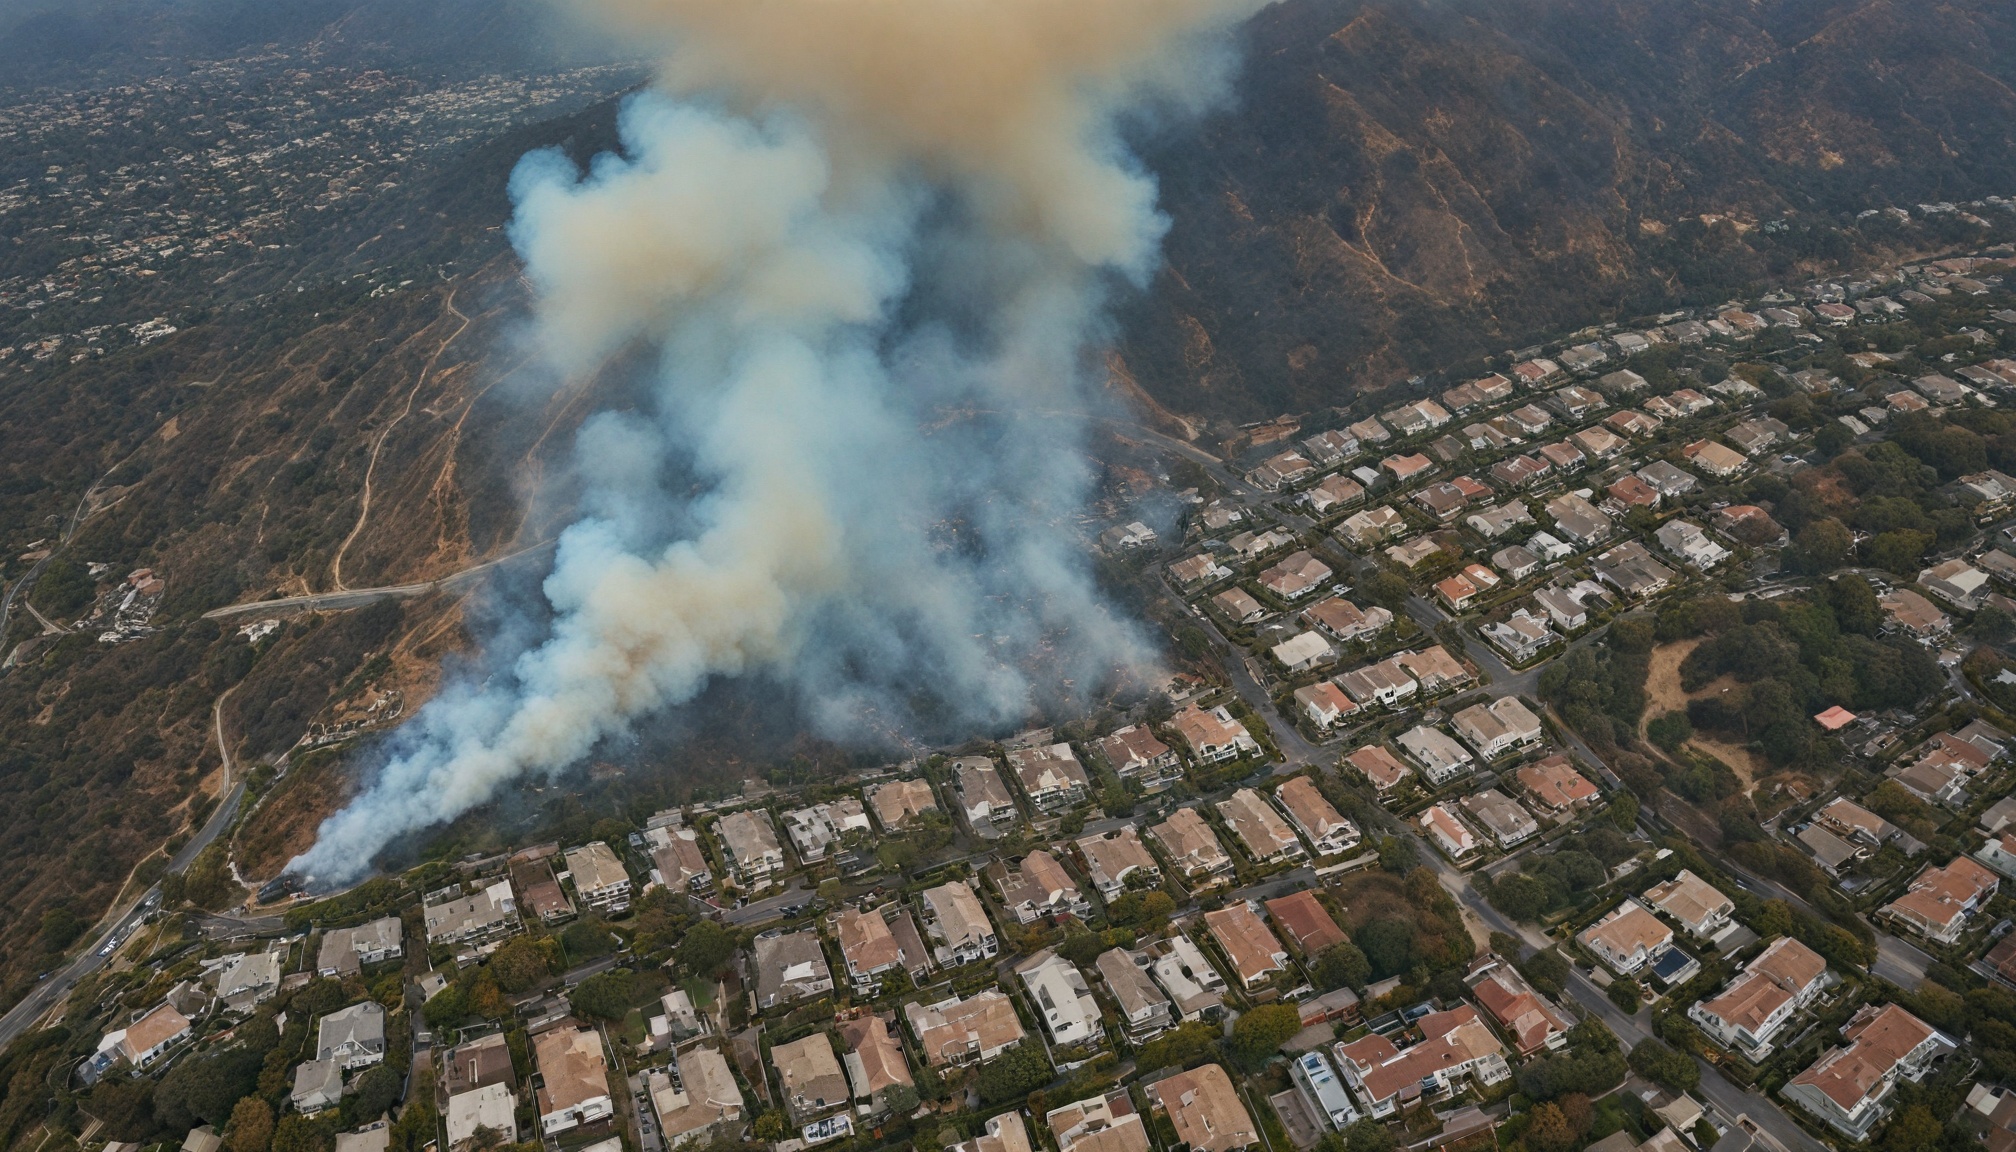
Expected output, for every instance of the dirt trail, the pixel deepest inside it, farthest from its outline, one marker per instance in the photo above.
(1662, 688)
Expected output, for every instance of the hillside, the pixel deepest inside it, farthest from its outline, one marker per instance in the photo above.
(1398, 186)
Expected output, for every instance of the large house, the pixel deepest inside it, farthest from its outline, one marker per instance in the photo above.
(1749, 1013)
(1193, 985)
(1381, 768)
(811, 1077)
(1144, 1011)
(1204, 1110)
(489, 914)
(147, 1039)
(352, 1038)
(954, 917)
(755, 858)
(345, 951)
(897, 801)
(1628, 938)
(1441, 758)
(1134, 753)
(1454, 1044)
(1112, 857)
(1036, 888)
(1061, 998)
(1255, 954)
(1555, 787)
(694, 1095)
(1523, 1014)
(1501, 726)
(869, 948)
(816, 830)
(1697, 905)
(874, 1061)
(1106, 1123)
(956, 1031)
(1213, 735)
(1266, 837)
(1848, 1086)
(680, 861)
(1050, 776)
(790, 966)
(600, 878)
(1193, 849)
(575, 1077)
(1317, 818)
(1940, 901)
(982, 796)
(1500, 815)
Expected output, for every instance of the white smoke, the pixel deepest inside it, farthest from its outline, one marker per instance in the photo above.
(868, 240)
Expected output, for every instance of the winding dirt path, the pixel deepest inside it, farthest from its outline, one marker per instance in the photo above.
(1663, 691)
(364, 506)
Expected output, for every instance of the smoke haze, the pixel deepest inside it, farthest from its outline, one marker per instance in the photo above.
(868, 241)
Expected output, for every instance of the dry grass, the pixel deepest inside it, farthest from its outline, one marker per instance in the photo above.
(1662, 688)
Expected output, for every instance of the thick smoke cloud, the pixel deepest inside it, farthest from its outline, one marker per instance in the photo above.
(868, 241)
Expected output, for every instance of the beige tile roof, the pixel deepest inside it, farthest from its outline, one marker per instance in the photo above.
(1261, 829)
(1047, 769)
(956, 1030)
(1302, 918)
(1941, 896)
(1132, 749)
(1100, 1124)
(958, 913)
(1381, 767)
(710, 1094)
(1254, 952)
(152, 1030)
(874, 1054)
(1311, 809)
(1556, 784)
(1205, 1110)
(572, 1067)
(596, 868)
(1878, 1038)
(1779, 975)
(1626, 930)
(1110, 857)
(899, 800)
(1191, 844)
(1690, 899)
(866, 942)
(810, 1074)
(1519, 1010)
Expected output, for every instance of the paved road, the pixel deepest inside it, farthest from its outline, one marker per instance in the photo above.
(359, 597)
(52, 989)
(770, 907)
(28, 579)
(1899, 961)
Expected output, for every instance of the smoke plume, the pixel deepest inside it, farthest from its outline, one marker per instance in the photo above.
(867, 242)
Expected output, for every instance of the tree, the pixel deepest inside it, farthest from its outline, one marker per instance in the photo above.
(1369, 1136)
(900, 1099)
(1624, 994)
(520, 965)
(1624, 811)
(1177, 1048)
(1915, 1128)
(204, 1091)
(1992, 625)
(1825, 545)
(1013, 1074)
(126, 1107)
(1657, 1062)
(1341, 966)
(770, 1126)
(1260, 1032)
(1388, 946)
(1387, 589)
(1522, 897)
(1670, 730)
(606, 995)
(707, 948)
(1900, 550)
(587, 939)
(298, 1133)
(377, 1090)
(60, 926)
(1546, 970)
(251, 1127)
(1549, 1130)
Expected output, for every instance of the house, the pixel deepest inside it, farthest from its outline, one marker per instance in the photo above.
(1213, 735)
(1940, 901)
(1456, 592)
(601, 879)
(1112, 857)
(868, 948)
(1632, 423)
(1191, 846)
(1630, 492)
(1331, 447)
(694, 1095)
(1106, 1123)
(1855, 822)
(811, 1078)
(1623, 382)
(1324, 703)
(1999, 853)
(1205, 1111)
(1411, 554)
(1000, 1134)
(1598, 443)
(1756, 435)
(1498, 727)
(954, 917)
(874, 1061)
(1695, 904)
(1714, 459)
(1555, 787)
(1050, 776)
(1134, 753)
(252, 978)
(1339, 491)
(1455, 1044)
(1562, 607)
(1317, 818)
(1345, 621)
(1302, 920)
(1253, 952)
(1295, 576)
(1575, 402)
(345, 951)
(1370, 526)
(1532, 373)
(486, 915)
(1563, 457)
(1517, 472)
(1441, 758)
(1830, 852)
(1956, 582)
(754, 857)
(478, 1063)
(575, 1076)
(1434, 669)
(1494, 522)
(1369, 429)
(1914, 614)
(790, 966)
(1549, 549)
(1668, 481)
(816, 830)
(680, 861)
(539, 891)
(1690, 545)
(1064, 1004)
(1933, 780)
(1501, 816)
(1239, 606)
(354, 1037)
(1379, 767)
(1407, 467)
(1631, 569)
(318, 1084)
(1127, 537)
(982, 796)
(1578, 519)
(956, 1031)
(1989, 491)
(1748, 1014)
(1266, 837)
(1749, 524)
(1517, 562)
(1145, 1012)
(1279, 471)
(147, 1039)
(1037, 888)
(1521, 636)
(1848, 1085)
(1193, 985)
(1203, 568)
(1940, 389)
(1441, 501)
(493, 1106)
(1521, 1013)
(1447, 832)
(895, 802)
(1303, 651)
(1627, 939)
(1322, 1093)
